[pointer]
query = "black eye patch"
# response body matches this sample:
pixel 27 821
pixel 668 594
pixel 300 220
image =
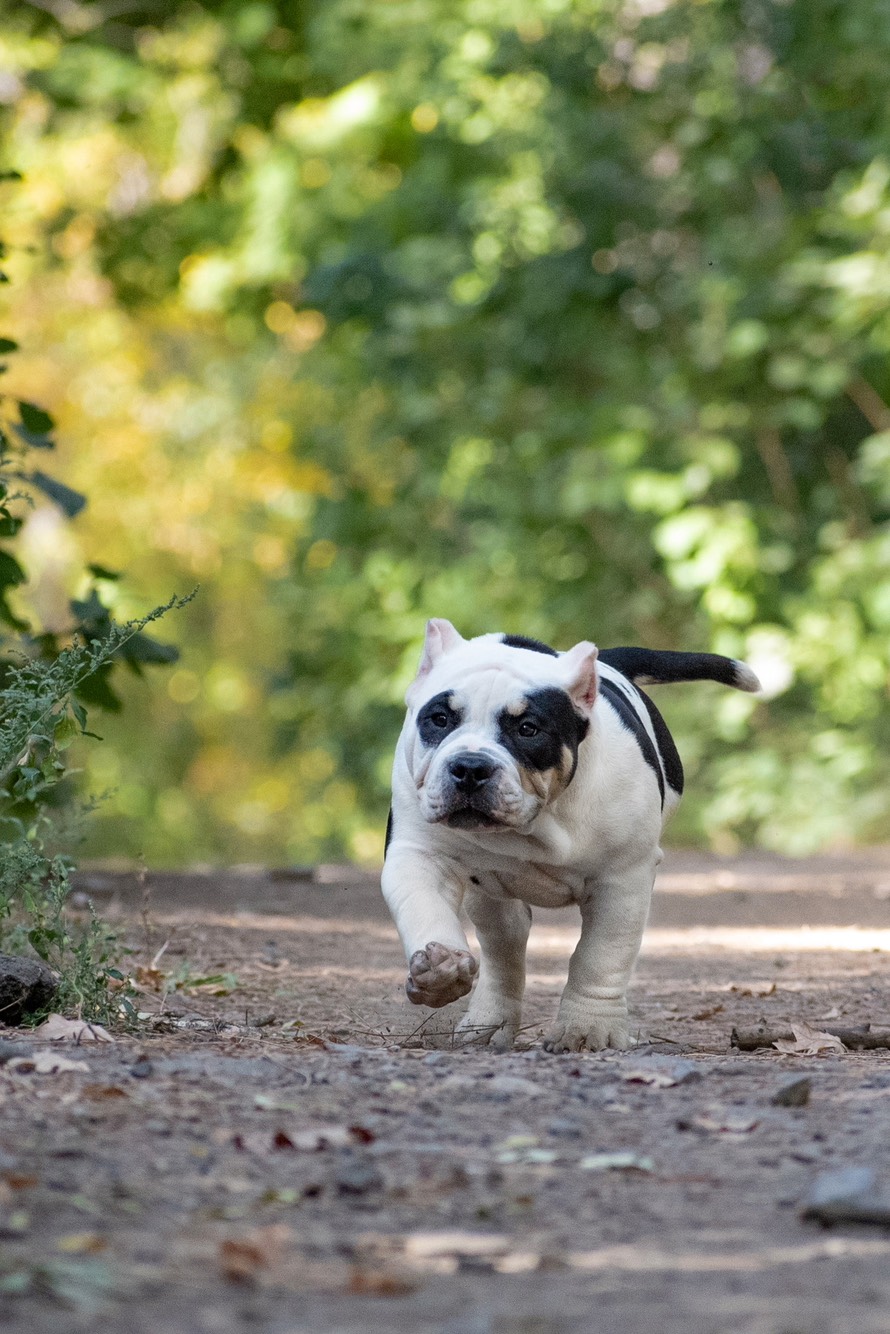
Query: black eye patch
pixel 438 719
pixel 538 737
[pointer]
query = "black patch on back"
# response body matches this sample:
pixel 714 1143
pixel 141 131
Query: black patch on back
pixel 561 726
pixel 663 665
pixel 521 641
pixel 388 839
pixel 430 732
pixel 634 723
pixel 670 756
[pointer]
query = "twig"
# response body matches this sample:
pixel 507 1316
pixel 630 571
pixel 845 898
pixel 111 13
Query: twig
pixel 857 1039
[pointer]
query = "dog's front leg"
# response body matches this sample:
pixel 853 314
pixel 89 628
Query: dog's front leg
pixel 424 897
pixel 593 1009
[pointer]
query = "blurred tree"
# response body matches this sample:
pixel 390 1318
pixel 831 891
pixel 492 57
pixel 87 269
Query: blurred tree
pixel 566 319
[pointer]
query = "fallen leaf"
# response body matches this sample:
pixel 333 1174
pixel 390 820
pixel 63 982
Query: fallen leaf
pixel 303 1141
pixel 833 1013
pixel 426 1245
pixel 749 988
pixel 655 1078
pixel 153 978
pixel 627 1160
pixel 100 1092
pixel 19 1180
pixel 56 1028
pixel 809 1041
pixel 709 1012
pixel 377 1283
pixel 82 1243
pixel 219 984
pixel 241 1259
pixel 720 1122
pixel 46 1063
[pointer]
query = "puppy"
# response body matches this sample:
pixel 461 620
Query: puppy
pixel 528 778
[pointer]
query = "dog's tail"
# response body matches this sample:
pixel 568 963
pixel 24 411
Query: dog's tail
pixel 651 667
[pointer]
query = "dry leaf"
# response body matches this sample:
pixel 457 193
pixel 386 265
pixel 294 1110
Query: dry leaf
pixel 656 1078
pixel 749 988
pixel 82 1243
pixel 722 1122
pixel 833 1013
pixel 99 1092
pixel 241 1259
pixel 152 978
pixel 46 1063
pixel 624 1160
pixel 709 1012
pixel 378 1283
pixel 809 1041
pixel 303 1141
pixel 56 1028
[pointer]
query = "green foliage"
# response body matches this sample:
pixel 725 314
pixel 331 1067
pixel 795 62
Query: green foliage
pixel 579 320
pixel 46 680
pixel 40 715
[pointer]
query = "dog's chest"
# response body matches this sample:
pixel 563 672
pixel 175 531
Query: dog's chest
pixel 536 884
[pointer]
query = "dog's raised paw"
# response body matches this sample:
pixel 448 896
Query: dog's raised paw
pixel 438 975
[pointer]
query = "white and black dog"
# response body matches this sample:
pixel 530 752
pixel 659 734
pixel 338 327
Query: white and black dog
pixel 526 777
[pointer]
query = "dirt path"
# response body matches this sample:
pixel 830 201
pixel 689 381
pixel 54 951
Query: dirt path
pixel 330 1165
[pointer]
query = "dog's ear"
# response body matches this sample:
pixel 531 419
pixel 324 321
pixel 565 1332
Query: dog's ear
pixel 580 676
pixel 441 638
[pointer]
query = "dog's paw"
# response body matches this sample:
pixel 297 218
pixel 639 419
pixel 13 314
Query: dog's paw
pixel 590 1026
pixel 437 975
pixel 487 1028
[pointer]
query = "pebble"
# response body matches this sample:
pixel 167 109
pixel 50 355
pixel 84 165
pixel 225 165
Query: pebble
pixel 794 1092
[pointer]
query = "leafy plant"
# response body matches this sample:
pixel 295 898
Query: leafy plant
pixel 47 679
pixel 40 715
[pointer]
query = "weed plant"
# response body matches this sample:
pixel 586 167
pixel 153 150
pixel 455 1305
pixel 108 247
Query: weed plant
pixel 48 679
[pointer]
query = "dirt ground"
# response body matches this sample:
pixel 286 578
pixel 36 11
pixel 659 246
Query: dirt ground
pixel 309 1154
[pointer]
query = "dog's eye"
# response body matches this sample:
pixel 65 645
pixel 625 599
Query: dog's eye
pixel 439 719
pixel 528 729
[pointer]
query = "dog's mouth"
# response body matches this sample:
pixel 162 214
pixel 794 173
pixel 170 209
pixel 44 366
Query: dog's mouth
pixel 470 817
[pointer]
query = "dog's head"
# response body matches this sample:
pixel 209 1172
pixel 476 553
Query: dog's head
pixel 494 726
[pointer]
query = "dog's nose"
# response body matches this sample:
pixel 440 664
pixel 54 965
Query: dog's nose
pixel 470 771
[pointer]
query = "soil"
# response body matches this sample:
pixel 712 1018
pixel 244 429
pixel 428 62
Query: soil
pixel 309 1154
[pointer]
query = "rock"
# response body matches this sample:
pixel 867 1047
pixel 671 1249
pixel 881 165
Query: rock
pixel 26 985
pixel 848 1195
pixel 793 1092
pixel 357 1177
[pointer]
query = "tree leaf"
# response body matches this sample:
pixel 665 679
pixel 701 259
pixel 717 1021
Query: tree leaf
pixel 68 500
pixel 35 419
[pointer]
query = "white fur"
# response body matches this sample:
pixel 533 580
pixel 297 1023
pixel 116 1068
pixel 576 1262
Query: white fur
pixel 594 842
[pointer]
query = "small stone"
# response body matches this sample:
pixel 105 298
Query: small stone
pixel 357 1177
pixel 564 1128
pixel 794 1092
pixel 142 1068
pixel 504 1087
pixel 848 1195
pixel 26 985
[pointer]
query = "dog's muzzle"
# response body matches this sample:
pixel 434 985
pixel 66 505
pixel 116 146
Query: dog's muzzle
pixel 471 783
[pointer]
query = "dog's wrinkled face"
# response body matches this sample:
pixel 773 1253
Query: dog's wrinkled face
pixel 494 730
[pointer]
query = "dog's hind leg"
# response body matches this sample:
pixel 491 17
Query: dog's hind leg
pixel 593 1008
pixel 495 1012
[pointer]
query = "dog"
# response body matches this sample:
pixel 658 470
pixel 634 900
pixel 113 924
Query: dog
pixel 523 778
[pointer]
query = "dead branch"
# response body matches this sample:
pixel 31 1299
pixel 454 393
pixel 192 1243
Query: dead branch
pixel 860 1038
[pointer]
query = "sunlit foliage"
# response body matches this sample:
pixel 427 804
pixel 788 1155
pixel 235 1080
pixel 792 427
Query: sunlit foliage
pixel 564 318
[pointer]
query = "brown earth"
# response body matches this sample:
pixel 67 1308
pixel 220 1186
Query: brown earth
pixel 330 1164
